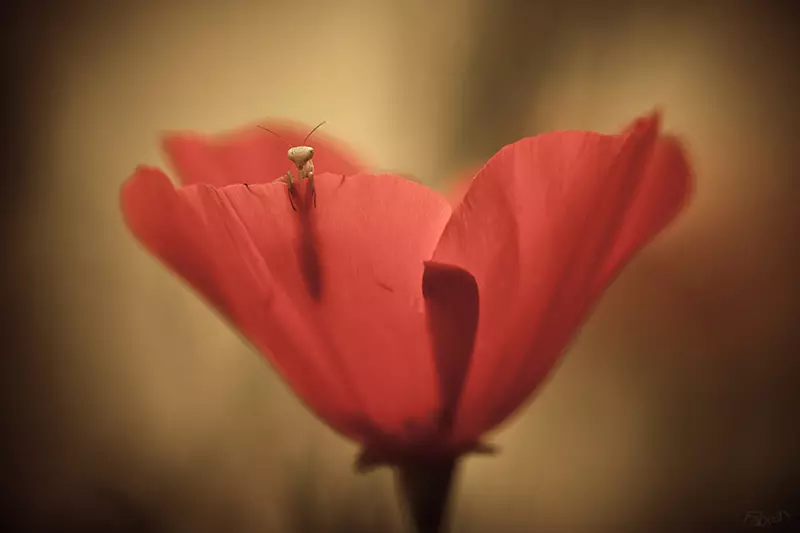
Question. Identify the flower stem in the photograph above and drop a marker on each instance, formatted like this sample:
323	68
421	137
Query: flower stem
425	491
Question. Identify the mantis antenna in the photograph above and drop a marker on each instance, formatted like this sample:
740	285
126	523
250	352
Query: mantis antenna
275	134
310	133
318	126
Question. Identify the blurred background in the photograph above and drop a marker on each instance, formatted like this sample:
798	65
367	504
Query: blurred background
128	405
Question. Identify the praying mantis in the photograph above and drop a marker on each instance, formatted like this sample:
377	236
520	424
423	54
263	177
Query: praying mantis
302	157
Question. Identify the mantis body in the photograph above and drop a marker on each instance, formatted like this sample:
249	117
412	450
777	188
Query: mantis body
302	157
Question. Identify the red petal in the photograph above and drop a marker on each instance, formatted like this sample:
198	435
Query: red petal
332	294
148	201
664	190
253	155
544	224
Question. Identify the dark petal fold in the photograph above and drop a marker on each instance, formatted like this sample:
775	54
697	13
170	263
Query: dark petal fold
451	298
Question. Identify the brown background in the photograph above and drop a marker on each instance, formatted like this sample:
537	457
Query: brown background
130	406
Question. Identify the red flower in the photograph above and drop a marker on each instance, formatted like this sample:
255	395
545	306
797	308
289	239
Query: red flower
406	325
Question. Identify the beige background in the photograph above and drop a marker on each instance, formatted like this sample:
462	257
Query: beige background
132	400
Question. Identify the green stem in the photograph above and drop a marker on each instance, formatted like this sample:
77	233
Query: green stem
425	490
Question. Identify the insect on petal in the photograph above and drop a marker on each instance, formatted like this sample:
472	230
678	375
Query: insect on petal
253	155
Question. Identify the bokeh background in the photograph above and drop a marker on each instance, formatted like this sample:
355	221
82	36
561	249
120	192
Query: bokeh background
128	405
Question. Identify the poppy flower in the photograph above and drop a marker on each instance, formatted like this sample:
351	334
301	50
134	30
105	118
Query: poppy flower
409	326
